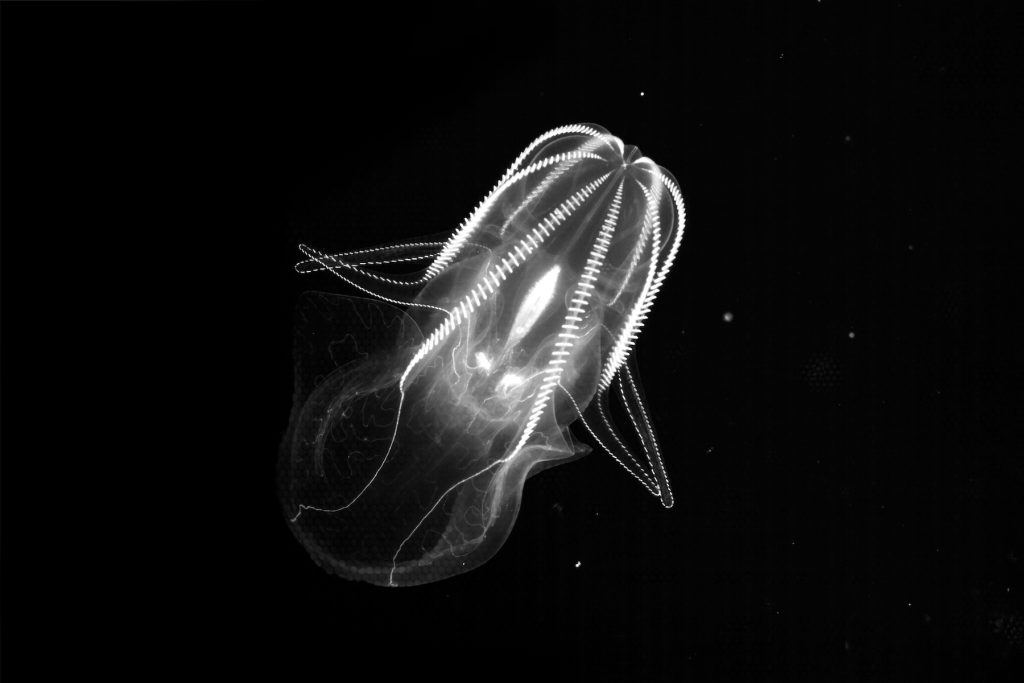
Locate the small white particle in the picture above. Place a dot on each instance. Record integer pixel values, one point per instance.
(641, 93)
(846, 139)
(578, 563)
(910, 247)
(851, 335)
(781, 54)
(727, 317)
(908, 604)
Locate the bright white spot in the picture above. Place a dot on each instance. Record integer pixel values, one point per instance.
(781, 54)
(641, 93)
(727, 317)
(908, 604)
(851, 335)
(483, 361)
(510, 380)
(578, 563)
(536, 300)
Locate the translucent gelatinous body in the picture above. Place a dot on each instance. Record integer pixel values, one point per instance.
(419, 415)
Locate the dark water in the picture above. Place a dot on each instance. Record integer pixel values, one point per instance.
(834, 366)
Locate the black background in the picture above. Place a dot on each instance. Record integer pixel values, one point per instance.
(845, 450)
